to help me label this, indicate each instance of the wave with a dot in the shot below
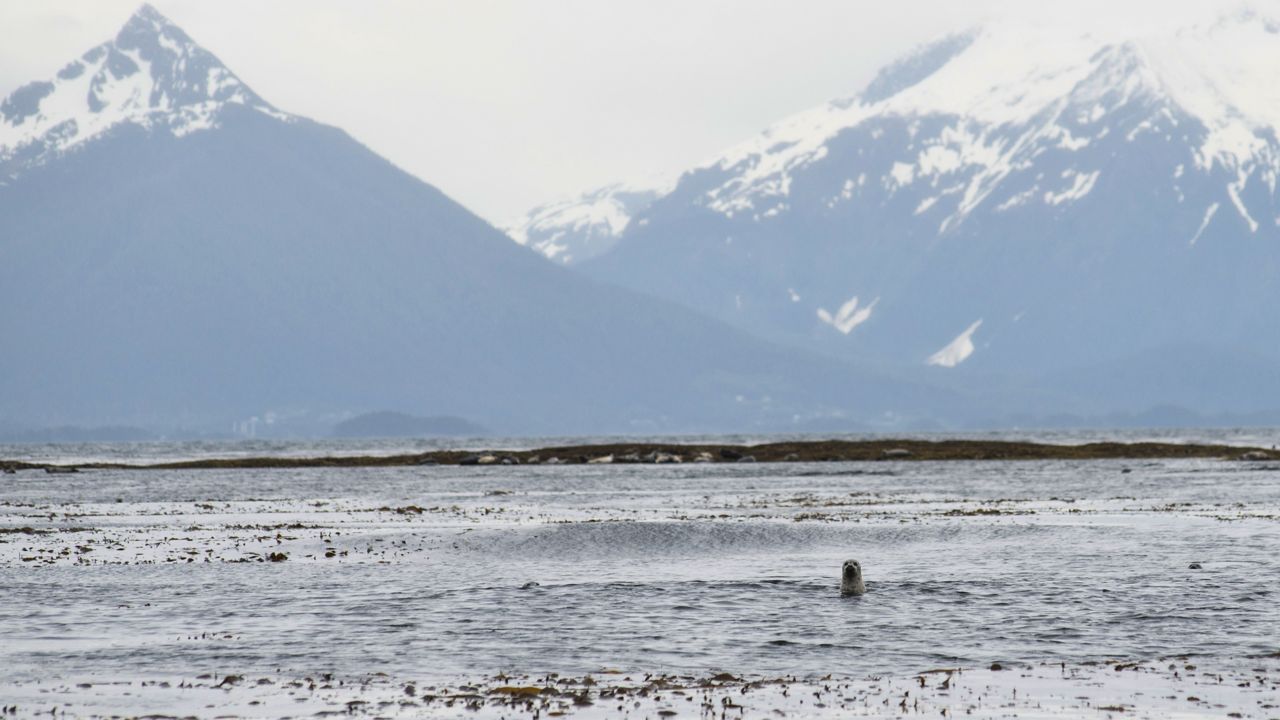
(692, 539)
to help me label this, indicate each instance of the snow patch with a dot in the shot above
(577, 228)
(1208, 217)
(1068, 142)
(902, 173)
(1233, 191)
(956, 351)
(1021, 198)
(849, 316)
(1222, 73)
(763, 166)
(982, 83)
(195, 118)
(1081, 184)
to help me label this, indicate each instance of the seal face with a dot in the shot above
(851, 578)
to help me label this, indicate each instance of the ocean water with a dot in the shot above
(448, 571)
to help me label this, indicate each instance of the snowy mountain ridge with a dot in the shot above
(151, 75)
(1006, 91)
(576, 229)
(1048, 88)
(1012, 201)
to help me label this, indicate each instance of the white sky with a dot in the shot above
(505, 104)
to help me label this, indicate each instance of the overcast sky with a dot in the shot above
(507, 104)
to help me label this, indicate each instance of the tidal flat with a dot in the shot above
(637, 452)
(1040, 588)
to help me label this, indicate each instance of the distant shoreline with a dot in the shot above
(659, 453)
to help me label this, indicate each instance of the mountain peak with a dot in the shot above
(152, 74)
(915, 67)
(148, 17)
(149, 27)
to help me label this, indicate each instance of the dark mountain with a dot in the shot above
(176, 251)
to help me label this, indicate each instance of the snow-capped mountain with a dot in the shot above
(151, 75)
(1011, 92)
(578, 229)
(176, 252)
(1009, 200)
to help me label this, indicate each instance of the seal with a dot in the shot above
(851, 579)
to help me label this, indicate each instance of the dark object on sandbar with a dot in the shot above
(10, 470)
(59, 470)
(895, 453)
(428, 461)
(728, 454)
(529, 585)
(997, 666)
(1194, 566)
(470, 460)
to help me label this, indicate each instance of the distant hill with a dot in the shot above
(394, 424)
(73, 434)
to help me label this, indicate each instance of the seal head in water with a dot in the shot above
(851, 578)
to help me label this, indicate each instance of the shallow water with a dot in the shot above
(647, 568)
